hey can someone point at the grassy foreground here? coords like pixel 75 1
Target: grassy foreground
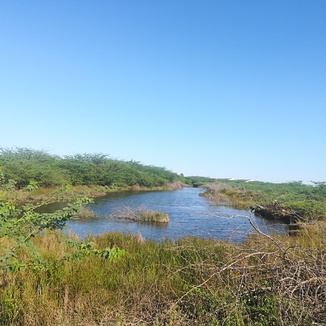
pixel 116 279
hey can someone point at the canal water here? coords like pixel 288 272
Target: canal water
pixel 189 214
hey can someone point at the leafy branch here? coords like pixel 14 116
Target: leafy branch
pixel 18 225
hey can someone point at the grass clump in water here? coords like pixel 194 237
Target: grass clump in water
pixel 151 216
pixel 85 214
pixel 141 214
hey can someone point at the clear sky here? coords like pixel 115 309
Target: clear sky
pixel 215 88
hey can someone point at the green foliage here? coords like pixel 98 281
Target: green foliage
pixel 197 181
pixel 261 307
pixel 33 185
pixel 28 169
pixel 84 249
pixel 19 225
pixel 308 201
pixel 27 165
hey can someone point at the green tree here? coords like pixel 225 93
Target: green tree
pixel 19 225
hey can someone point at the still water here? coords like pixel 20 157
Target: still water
pixel 189 214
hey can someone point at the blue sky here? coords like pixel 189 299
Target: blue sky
pixel 211 88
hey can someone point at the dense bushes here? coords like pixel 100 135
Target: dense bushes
pixel 22 167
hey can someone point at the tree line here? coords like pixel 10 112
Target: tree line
pixel 25 167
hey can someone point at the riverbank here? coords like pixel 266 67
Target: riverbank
pixel 72 193
pixel 288 203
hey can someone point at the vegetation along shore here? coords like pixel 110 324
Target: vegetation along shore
pixel 51 278
pixel 287 202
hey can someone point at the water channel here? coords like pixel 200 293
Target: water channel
pixel 189 214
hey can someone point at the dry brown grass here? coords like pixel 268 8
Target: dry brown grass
pixel 216 193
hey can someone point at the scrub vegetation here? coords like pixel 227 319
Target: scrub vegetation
pixel 33 175
pixel 51 278
pixel 306 202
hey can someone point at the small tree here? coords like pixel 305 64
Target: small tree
pixel 18 225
